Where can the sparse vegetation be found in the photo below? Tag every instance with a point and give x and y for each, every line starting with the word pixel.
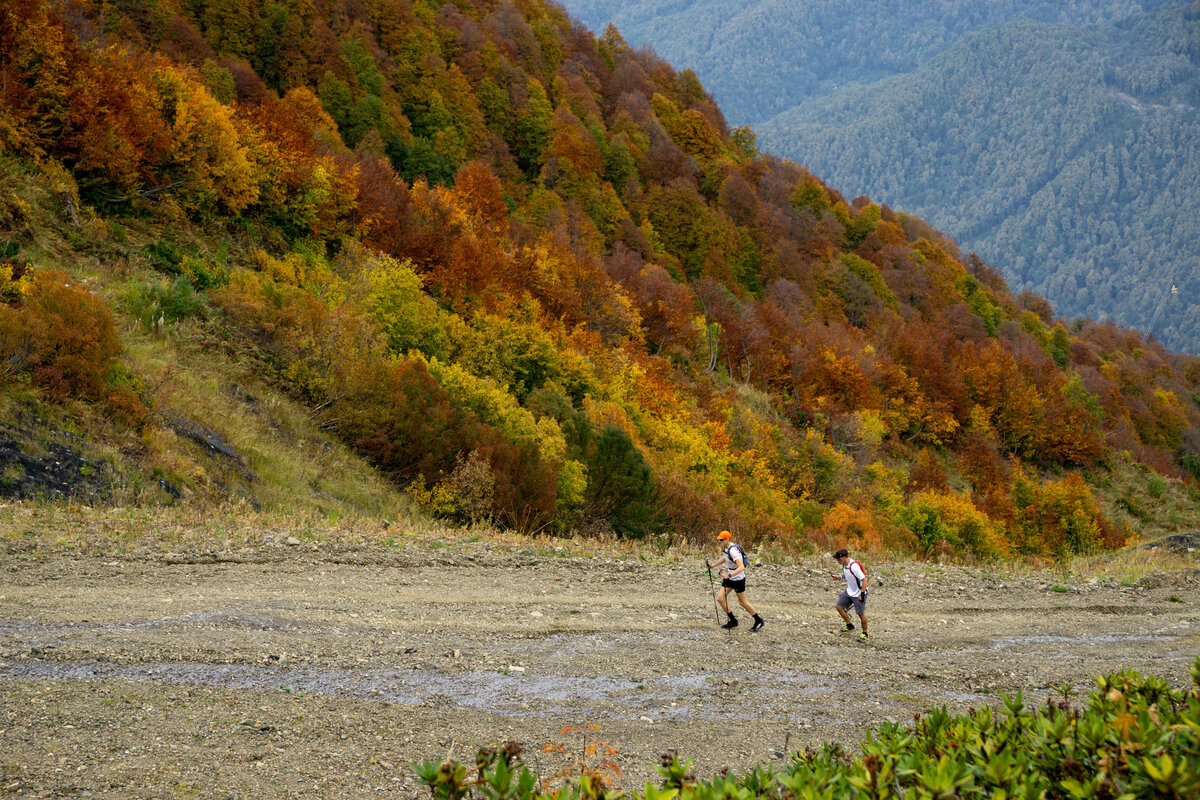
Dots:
pixel 1134 737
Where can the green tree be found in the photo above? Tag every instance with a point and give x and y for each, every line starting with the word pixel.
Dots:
pixel 533 128
pixel 620 486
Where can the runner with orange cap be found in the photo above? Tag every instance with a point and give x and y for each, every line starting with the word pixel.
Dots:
pixel 733 578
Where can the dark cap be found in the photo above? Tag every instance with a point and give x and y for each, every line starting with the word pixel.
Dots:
pixel 841 552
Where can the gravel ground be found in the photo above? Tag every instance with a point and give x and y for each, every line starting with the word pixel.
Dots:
pixel 300 672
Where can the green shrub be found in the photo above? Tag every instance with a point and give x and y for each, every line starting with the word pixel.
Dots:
pixel 154 304
pixel 935 517
pixel 165 256
pixel 203 274
pixel 1136 737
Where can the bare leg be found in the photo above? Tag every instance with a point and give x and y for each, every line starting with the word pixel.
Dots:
pixel 721 599
pixel 741 597
pixel 845 616
pixel 861 618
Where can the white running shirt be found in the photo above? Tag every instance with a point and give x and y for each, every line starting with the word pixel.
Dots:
pixel 732 553
pixel 853 570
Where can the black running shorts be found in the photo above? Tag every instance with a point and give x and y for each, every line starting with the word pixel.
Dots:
pixel 738 586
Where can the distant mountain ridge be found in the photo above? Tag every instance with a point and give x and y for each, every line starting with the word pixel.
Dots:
pixel 1028 143
pixel 761 57
pixel 1064 153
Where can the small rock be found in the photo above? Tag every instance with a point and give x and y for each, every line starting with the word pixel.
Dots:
pixel 458 654
pixel 535 613
pixel 292 540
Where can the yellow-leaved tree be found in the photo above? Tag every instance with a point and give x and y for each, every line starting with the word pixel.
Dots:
pixel 208 155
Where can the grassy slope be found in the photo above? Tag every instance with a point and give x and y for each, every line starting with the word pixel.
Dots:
pixel 290 467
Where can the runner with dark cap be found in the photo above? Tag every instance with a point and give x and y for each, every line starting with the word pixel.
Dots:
pixel 733 578
pixel 855 593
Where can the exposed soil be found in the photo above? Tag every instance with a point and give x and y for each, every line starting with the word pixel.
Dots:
pixel 295 672
pixel 51 464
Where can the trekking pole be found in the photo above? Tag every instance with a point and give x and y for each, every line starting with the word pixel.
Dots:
pixel 712 591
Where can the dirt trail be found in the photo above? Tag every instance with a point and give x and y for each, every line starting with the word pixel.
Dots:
pixel 289 672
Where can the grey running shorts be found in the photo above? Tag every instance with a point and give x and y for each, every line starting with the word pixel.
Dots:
pixel 860 603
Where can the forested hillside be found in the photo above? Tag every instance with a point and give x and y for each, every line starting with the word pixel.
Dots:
pixel 1063 150
pixel 1069 158
pixel 533 277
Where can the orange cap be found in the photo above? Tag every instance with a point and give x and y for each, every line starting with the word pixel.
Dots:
pixel 724 535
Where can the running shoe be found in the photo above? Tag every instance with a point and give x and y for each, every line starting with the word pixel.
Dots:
pixel 731 624
pixel 862 637
pixel 757 626
pixel 847 628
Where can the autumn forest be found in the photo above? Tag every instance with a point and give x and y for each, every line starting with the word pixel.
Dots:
pixel 531 275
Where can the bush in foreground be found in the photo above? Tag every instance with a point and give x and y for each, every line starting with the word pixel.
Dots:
pixel 1135 738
